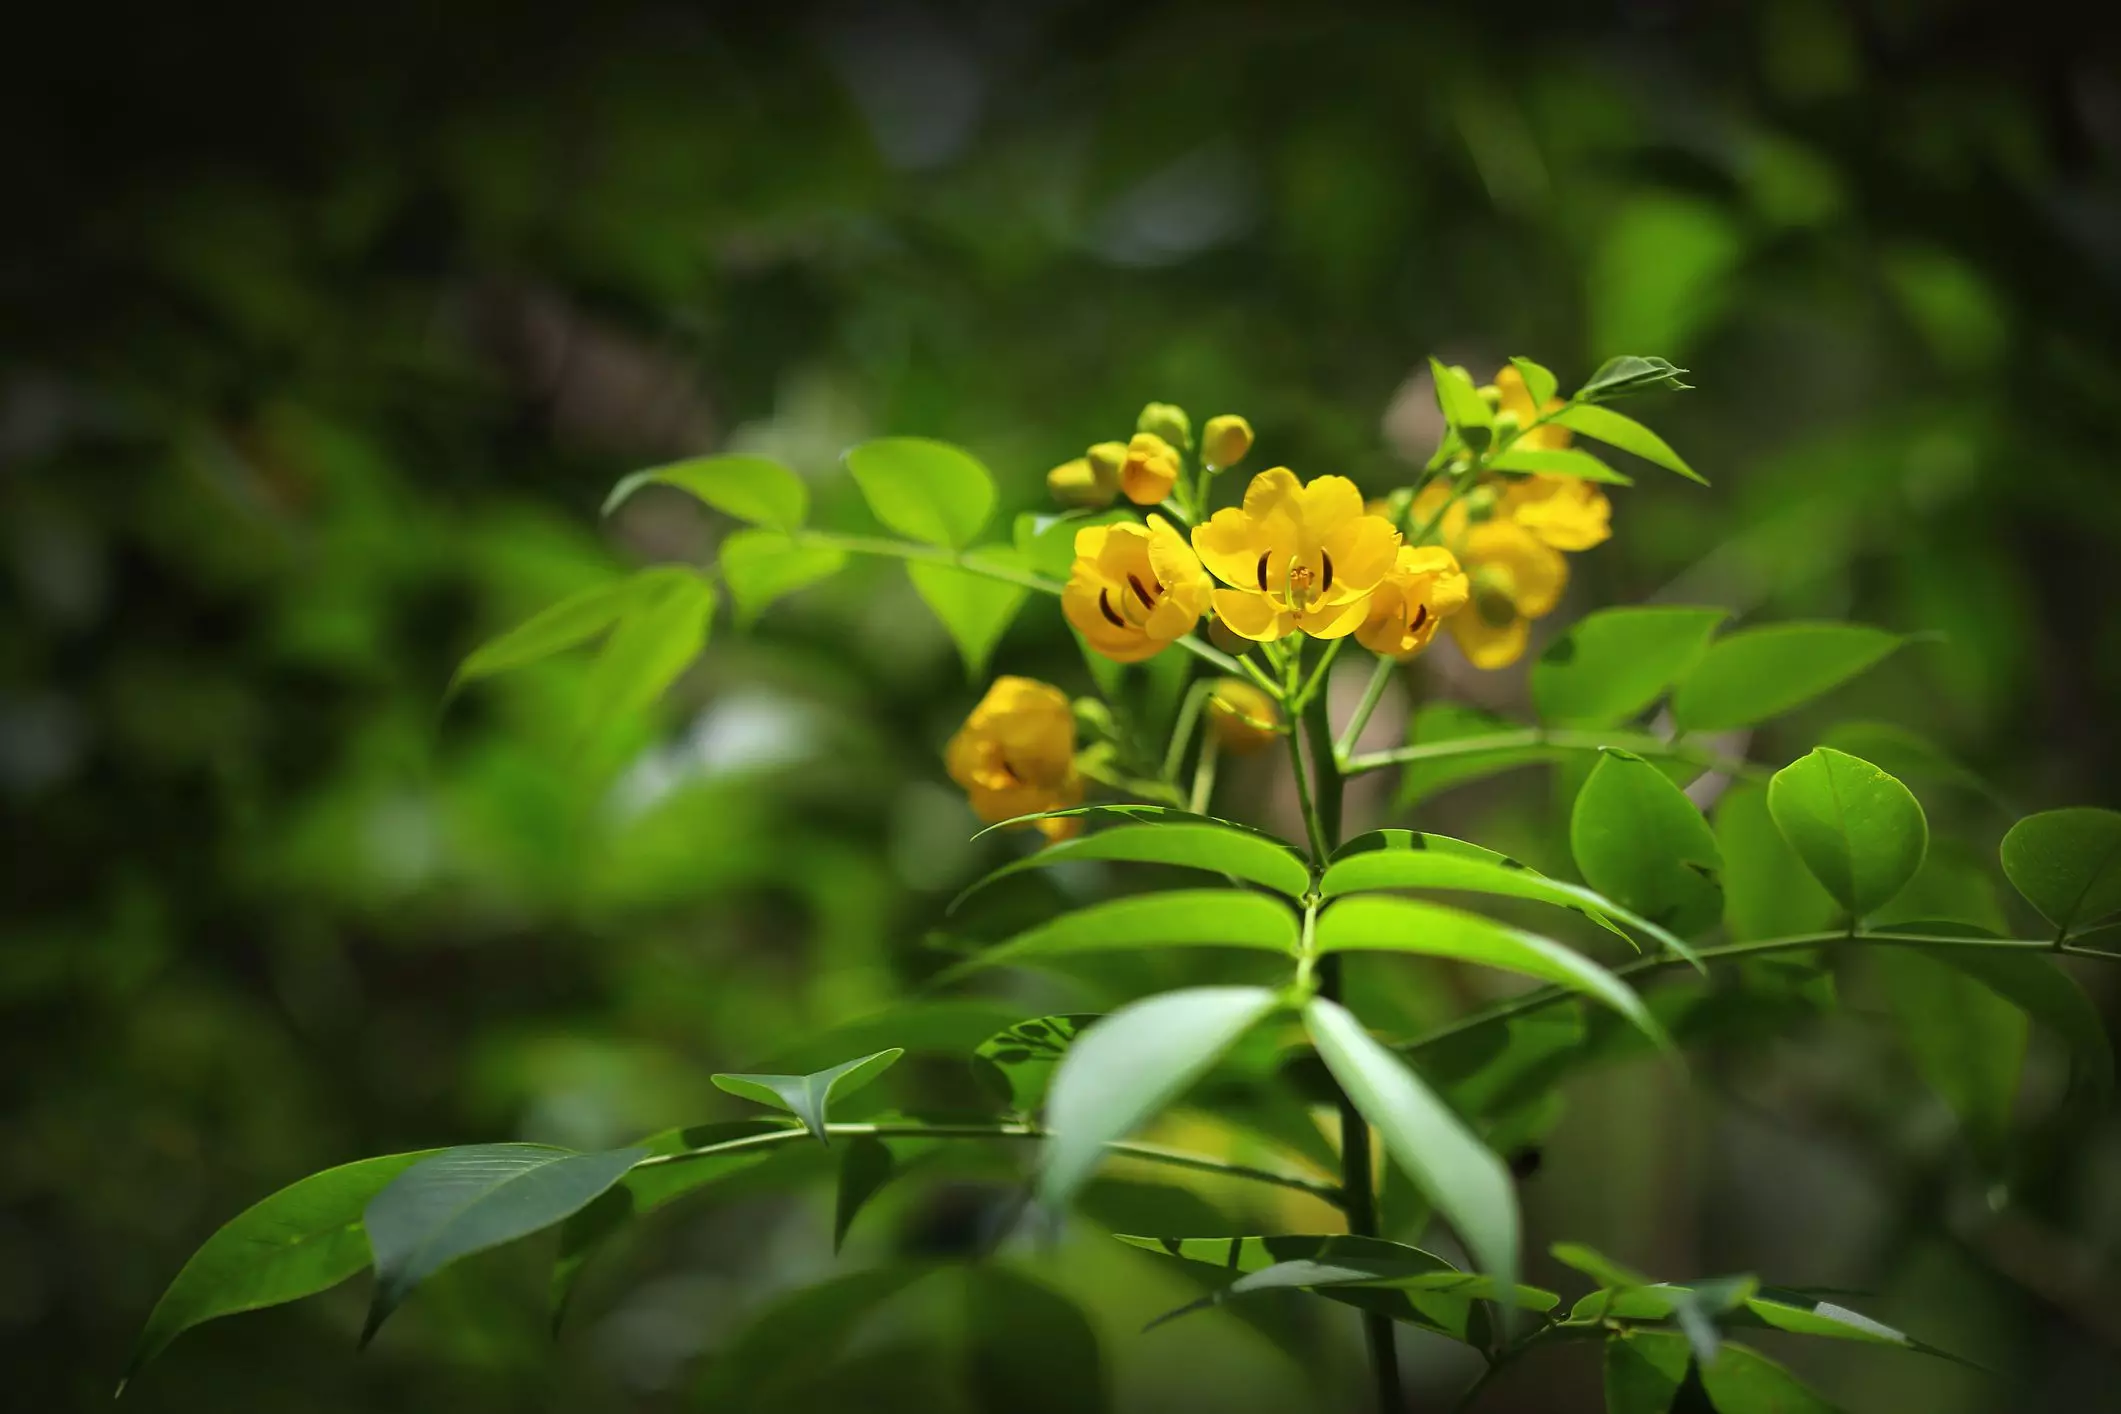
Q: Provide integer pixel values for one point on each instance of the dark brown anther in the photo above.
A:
(1104, 604)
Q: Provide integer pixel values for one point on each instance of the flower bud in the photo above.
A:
(1225, 440)
(1242, 717)
(1150, 469)
(1078, 486)
(1480, 503)
(1506, 425)
(1491, 395)
(1168, 421)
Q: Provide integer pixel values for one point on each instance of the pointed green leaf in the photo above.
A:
(1598, 1267)
(1967, 1042)
(1628, 374)
(1758, 673)
(1907, 754)
(1743, 1381)
(1134, 810)
(798, 1335)
(1539, 381)
(304, 1239)
(1460, 403)
(1860, 832)
(2067, 863)
(1016, 1065)
(2053, 999)
(1030, 1350)
(1047, 542)
(1438, 723)
(1643, 1371)
(465, 1200)
(1121, 1072)
(1469, 1186)
(1402, 925)
(1613, 664)
(663, 630)
(1219, 849)
(866, 1166)
(760, 566)
(1619, 430)
(1216, 918)
(1558, 462)
(1768, 893)
(808, 1097)
(1639, 841)
(1376, 841)
(572, 621)
(932, 491)
(754, 489)
(1802, 1314)
(975, 609)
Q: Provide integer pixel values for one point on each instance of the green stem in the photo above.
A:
(1150, 1153)
(1317, 681)
(1547, 738)
(1182, 733)
(1204, 775)
(1380, 679)
(1314, 830)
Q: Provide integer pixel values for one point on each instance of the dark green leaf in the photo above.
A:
(1743, 1381)
(1643, 1371)
(760, 566)
(1768, 893)
(1220, 918)
(1639, 841)
(1758, 673)
(2067, 863)
(754, 489)
(1469, 1186)
(1031, 1349)
(304, 1239)
(1619, 430)
(1598, 1267)
(1967, 1042)
(1219, 849)
(1558, 462)
(1860, 832)
(465, 1200)
(2052, 998)
(1612, 664)
(866, 1166)
(1016, 1065)
(764, 1367)
(573, 620)
(1628, 374)
(974, 608)
(932, 491)
(808, 1097)
(1121, 1072)
(662, 631)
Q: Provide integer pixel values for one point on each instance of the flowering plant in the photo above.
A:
(1242, 608)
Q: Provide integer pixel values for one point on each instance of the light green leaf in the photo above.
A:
(1639, 841)
(1469, 1186)
(1016, 1065)
(1215, 918)
(575, 619)
(1132, 810)
(753, 489)
(1907, 754)
(1628, 374)
(1558, 461)
(1461, 403)
(1598, 1267)
(1743, 1381)
(304, 1239)
(1802, 1314)
(1611, 665)
(1418, 842)
(1619, 430)
(1030, 1350)
(1440, 722)
(1431, 930)
(465, 1200)
(1644, 1370)
(808, 1096)
(975, 609)
(2067, 863)
(1758, 673)
(1860, 832)
(663, 630)
(1539, 382)
(1768, 893)
(1047, 542)
(932, 491)
(1967, 1042)
(760, 566)
(1121, 1072)
(1219, 849)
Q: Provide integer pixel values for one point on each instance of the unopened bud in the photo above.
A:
(1480, 503)
(1491, 395)
(1078, 485)
(1168, 421)
(1225, 440)
(1242, 717)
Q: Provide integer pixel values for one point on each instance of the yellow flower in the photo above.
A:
(1242, 717)
(1015, 755)
(1514, 577)
(1150, 471)
(1134, 589)
(1083, 484)
(1225, 440)
(1296, 557)
(1517, 401)
(1566, 512)
(1426, 586)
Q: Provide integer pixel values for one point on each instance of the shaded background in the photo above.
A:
(324, 336)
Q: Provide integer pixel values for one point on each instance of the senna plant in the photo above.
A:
(1239, 615)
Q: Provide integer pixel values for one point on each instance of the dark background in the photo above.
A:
(322, 333)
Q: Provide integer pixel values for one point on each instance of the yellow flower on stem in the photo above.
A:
(1015, 755)
(1243, 718)
(1426, 586)
(1514, 577)
(1134, 589)
(1150, 471)
(1566, 512)
(1296, 557)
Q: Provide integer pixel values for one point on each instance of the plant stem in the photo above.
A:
(1380, 679)
(1151, 1153)
(1204, 775)
(1549, 739)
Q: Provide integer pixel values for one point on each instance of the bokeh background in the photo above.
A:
(322, 335)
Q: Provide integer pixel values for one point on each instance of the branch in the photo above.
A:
(1551, 739)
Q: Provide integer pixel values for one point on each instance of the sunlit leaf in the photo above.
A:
(1201, 844)
(974, 608)
(1539, 381)
(808, 1097)
(754, 489)
(1906, 753)
(1612, 664)
(1440, 723)
(1460, 403)
(1016, 1065)
(1758, 673)
(2067, 863)
(574, 620)
(1619, 430)
(932, 491)
(1216, 918)
(1558, 461)
(1639, 841)
(1768, 893)
(1860, 832)
(1628, 374)
(760, 566)
(1047, 542)
(663, 629)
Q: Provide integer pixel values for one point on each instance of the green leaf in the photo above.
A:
(1460, 402)
(1758, 673)
(1469, 1186)
(1216, 918)
(1768, 893)
(795, 1338)
(754, 489)
(1135, 810)
(866, 1166)
(1907, 754)
(663, 630)
(1644, 1370)
(1860, 832)
(975, 609)
(1539, 381)
(1611, 665)
(1047, 542)
(2067, 863)
(1030, 1349)
(2053, 999)
(1421, 841)
(1639, 841)
(932, 491)
(1952, 887)
(1016, 1065)
(1743, 1381)
(1440, 722)
(465, 1200)
(1121, 1072)
(1800, 1314)
(1628, 374)
(1619, 430)
(1402, 925)
(808, 1096)
(1967, 1042)
(1558, 462)
(1598, 1267)
(760, 566)
(1219, 849)
(573, 620)
(304, 1239)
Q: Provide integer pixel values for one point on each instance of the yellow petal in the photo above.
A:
(1177, 568)
(1334, 620)
(1329, 503)
(1090, 541)
(1488, 645)
(1364, 549)
(1230, 545)
(1274, 491)
(1252, 616)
